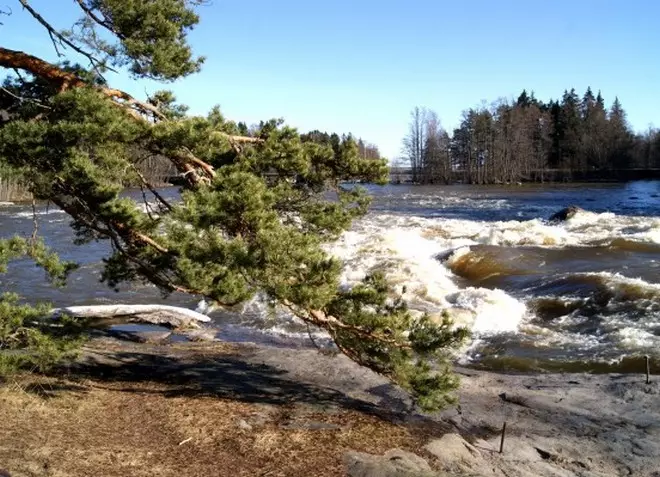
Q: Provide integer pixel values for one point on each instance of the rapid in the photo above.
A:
(578, 295)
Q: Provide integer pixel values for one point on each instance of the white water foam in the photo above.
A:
(624, 288)
(407, 258)
(398, 247)
(584, 229)
(628, 321)
(451, 201)
(29, 213)
(405, 247)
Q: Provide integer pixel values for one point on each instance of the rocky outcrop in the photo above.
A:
(453, 452)
(395, 463)
(564, 214)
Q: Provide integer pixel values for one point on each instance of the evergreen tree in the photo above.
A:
(255, 211)
(588, 103)
(523, 100)
(594, 125)
(568, 126)
(620, 138)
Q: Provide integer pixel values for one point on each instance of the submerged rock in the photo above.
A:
(564, 214)
(140, 333)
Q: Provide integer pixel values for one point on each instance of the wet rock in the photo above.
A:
(140, 334)
(395, 463)
(452, 450)
(201, 334)
(564, 214)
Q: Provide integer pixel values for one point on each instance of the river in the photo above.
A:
(578, 295)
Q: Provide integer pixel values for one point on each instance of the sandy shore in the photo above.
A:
(557, 424)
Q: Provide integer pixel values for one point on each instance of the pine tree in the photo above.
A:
(620, 138)
(594, 131)
(588, 103)
(569, 131)
(524, 100)
(255, 211)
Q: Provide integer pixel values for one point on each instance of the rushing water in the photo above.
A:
(580, 294)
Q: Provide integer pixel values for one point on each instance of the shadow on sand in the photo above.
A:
(228, 376)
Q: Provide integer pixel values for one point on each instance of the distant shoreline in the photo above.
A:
(552, 176)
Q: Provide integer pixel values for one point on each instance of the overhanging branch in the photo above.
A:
(184, 160)
(56, 36)
(324, 320)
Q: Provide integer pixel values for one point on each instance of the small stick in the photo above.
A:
(648, 369)
(185, 440)
(502, 438)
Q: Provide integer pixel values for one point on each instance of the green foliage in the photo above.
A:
(414, 352)
(148, 37)
(254, 215)
(29, 339)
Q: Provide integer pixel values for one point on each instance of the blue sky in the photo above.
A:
(360, 66)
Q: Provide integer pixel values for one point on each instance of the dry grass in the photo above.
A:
(75, 426)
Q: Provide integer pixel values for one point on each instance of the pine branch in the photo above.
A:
(127, 99)
(329, 322)
(184, 160)
(104, 23)
(21, 98)
(56, 37)
(151, 188)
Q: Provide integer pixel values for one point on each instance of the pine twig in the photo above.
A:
(56, 37)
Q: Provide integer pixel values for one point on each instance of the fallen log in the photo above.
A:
(174, 316)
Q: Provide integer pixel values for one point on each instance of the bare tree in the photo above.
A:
(413, 143)
(436, 162)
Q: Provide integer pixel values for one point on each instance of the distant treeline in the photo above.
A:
(365, 150)
(528, 140)
(156, 170)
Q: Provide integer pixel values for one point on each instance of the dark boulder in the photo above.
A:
(564, 214)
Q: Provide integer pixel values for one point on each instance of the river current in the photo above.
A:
(579, 295)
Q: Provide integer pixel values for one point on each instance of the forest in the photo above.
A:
(569, 139)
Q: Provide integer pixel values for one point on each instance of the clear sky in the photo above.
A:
(361, 65)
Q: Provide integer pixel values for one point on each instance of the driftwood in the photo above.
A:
(172, 316)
